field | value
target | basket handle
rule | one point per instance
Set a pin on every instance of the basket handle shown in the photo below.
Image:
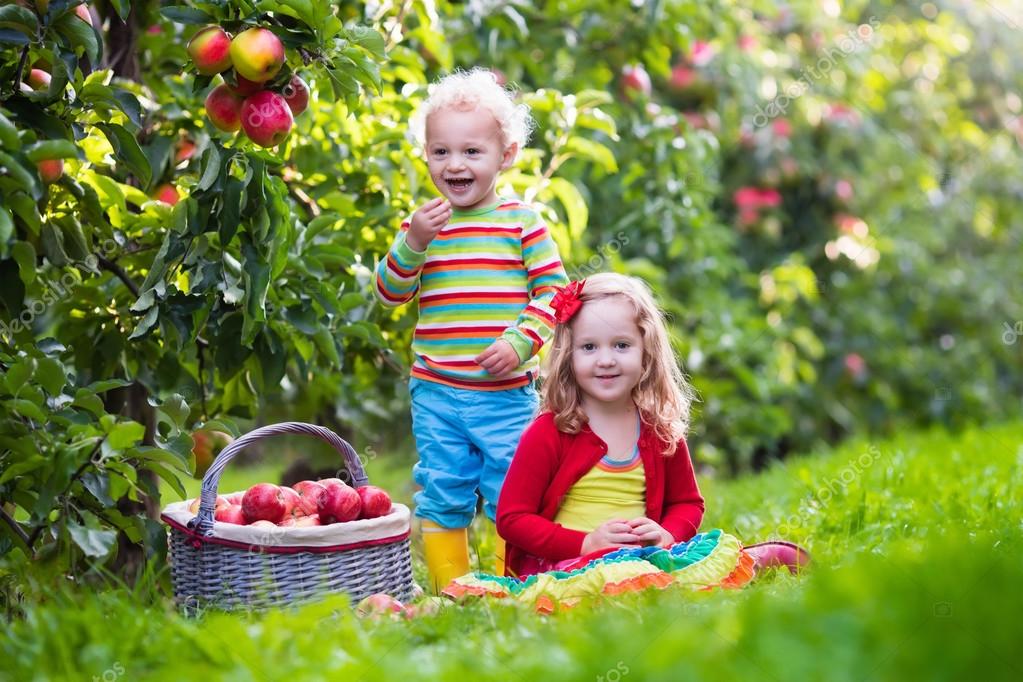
(203, 523)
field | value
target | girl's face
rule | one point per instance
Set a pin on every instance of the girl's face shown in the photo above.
(465, 155)
(607, 352)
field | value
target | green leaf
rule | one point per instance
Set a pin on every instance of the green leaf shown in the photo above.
(176, 408)
(369, 39)
(125, 434)
(123, 7)
(20, 19)
(6, 230)
(127, 149)
(169, 475)
(576, 210)
(51, 149)
(89, 401)
(592, 151)
(26, 408)
(187, 15)
(93, 542)
(256, 275)
(34, 462)
(50, 375)
(79, 34)
(9, 138)
(325, 344)
(25, 256)
(146, 324)
(211, 169)
(23, 207)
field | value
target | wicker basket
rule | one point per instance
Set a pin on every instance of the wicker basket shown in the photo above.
(285, 566)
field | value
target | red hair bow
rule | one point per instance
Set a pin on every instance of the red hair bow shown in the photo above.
(566, 301)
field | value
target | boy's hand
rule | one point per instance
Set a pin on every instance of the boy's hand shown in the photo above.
(499, 358)
(614, 533)
(650, 532)
(427, 222)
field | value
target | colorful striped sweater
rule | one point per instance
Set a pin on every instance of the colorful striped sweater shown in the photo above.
(490, 273)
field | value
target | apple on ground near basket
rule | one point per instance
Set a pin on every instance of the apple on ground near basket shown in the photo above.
(379, 604)
(264, 501)
(339, 503)
(375, 502)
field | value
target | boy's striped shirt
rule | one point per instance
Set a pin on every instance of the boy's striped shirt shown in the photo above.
(490, 273)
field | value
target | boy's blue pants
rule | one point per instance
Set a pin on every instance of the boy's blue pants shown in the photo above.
(465, 440)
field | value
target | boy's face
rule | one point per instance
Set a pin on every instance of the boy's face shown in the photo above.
(465, 153)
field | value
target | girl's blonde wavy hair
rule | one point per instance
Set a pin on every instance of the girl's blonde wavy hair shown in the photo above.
(663, 396)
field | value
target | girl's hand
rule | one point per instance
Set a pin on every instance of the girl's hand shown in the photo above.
(614, 533)
(650, 532)
(499, 358)
(427, 222)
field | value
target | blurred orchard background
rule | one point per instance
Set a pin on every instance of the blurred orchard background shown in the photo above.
(826, 196)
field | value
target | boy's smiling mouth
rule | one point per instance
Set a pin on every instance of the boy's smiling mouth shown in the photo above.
(459, 183)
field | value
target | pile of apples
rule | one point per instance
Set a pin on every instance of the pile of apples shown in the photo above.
(308, 503)
(248, 101)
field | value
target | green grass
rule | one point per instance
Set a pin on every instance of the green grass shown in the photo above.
(917, 571)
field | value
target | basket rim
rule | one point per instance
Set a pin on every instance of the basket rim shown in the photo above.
(195, 536)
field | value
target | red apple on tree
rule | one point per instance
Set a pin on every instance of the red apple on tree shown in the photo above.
(635, 80)
(83, 13)
(224, 108)
(168, 194)
(266, 118)
(296, 94)
(375, 502)
(339, 503)
(264, 501)
(242, 86)
(257, 54)
(210, 50)
(50, 170)
(185, 151)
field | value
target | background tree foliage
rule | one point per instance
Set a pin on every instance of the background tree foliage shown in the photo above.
(824, 195)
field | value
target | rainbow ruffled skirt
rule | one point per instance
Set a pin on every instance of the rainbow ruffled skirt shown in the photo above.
(709, 560)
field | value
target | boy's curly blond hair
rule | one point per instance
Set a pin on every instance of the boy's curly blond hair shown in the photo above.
(467, 90)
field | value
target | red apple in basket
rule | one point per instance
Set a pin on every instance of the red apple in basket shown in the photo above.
(291, 500)
(264, 502)
(235, 498)
(375, 502)
(231, 514)
(262, 524)
(302, 521)
(379, 604)
(222, 503)
(339, 503)
(309, 494)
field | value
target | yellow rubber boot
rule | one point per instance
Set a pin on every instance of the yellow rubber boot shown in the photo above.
(446, 551)
(499, 548)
